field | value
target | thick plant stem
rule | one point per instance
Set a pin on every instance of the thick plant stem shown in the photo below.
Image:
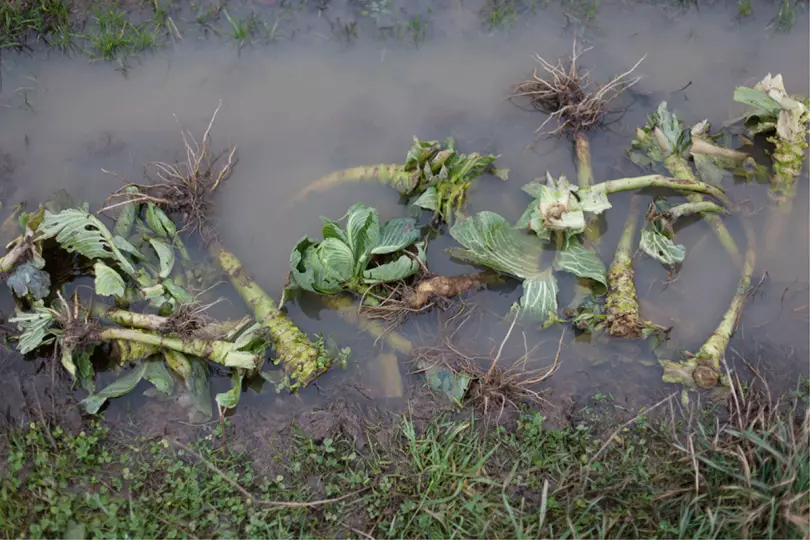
(219, 330)
(582, 148)
(345, 308)
(703, 369)
(130, 319)
(583, 151)
(706, 148)
(220, 352)
(386, 173)
(678, 167)
(623, 319)
(691, 208)
(658, 181)
(303, 360)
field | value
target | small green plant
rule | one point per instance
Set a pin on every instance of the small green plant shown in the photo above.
(241, 30)
(785, 17)
(21, 20)
(114, 36)
(743, 8)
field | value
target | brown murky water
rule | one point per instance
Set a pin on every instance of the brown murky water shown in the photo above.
(299, 111)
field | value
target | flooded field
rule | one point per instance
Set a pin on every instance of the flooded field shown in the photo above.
(301, 109)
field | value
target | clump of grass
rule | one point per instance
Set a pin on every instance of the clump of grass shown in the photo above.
(785, 17)
(23, 20)
(113, 36)
(743, 471)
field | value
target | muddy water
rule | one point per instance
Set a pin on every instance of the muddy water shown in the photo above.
(301, 111)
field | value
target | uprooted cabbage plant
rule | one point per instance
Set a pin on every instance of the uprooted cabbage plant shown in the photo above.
(434, 176)
(142, 310)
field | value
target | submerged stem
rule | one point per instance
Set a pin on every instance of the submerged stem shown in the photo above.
(679, 167)
(682, 183)
(703, 369)
(391, 174)
(344, 306)
(583, 151)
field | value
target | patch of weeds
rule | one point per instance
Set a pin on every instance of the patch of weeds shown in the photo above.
(242, 30)
(584, 10)
(743, 9)
(113, 36)
(747, 475)
(785, 17)
(499, 14)
(22, 20)
(413, 31)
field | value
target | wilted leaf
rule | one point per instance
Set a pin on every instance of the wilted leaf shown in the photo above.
(165, 255)
(490, 241)
(123, 244)
(159, 376)
(660, 247)
(401, 268)
(108, 282)
(229, 399)
(452, 384)
(81, 232)
(123, 385)
(29, 279)
(35, 327)
(126, 219)
(539, 300)
(429, 199)
(84, 368)
(581, 261)
(159, 222)
(199, 387)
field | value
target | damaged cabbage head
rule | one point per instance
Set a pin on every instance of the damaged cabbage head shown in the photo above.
(435, 176)
(665, 140)
(358, 257)
(785, 120)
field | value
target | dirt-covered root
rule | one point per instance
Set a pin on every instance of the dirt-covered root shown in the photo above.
(569, 96)
(187, 320)
(184, 189)
(435, 287)
(425, 293)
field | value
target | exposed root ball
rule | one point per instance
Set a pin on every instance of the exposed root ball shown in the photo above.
(185, 188)
(187, 320)
(569, 96)
(442, 286)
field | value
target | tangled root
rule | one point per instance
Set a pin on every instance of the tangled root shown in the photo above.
(569, 97)
(185, 188)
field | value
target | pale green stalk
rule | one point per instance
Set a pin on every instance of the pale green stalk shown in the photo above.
(689, 184)
(386, 173)
(220, 352)
(703, 369)
(623, 319)
(303, 360)
(677, 166)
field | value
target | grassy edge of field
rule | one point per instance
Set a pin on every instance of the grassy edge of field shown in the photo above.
(740, 470)
(115, 31)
